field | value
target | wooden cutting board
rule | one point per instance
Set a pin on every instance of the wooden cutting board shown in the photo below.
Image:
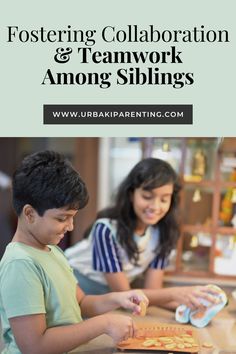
(163, 337)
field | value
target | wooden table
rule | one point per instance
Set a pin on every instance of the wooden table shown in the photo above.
(221, 332)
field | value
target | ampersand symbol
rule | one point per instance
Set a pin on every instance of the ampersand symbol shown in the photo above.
(63, 55)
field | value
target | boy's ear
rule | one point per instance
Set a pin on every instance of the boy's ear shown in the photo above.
(29, 213)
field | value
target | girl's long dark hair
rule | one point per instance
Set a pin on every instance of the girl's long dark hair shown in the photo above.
(148, 174)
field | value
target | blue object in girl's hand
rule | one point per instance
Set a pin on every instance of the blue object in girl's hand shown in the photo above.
(182, 314)
(201, 317)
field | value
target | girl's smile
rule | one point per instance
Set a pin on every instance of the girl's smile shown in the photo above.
(150, 206)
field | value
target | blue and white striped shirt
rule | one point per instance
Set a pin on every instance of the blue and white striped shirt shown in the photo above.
(102, 253)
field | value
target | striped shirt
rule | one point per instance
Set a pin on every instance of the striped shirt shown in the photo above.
(102, 253)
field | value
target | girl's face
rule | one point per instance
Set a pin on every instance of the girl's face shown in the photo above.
(150, 206)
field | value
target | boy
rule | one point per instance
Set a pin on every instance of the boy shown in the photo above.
(40, 302)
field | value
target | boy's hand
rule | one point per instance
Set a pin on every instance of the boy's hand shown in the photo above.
(119, 327)
(134, 300)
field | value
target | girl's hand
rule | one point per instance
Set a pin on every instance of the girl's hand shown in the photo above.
(133, 300)
(119, 327)
(191, 295)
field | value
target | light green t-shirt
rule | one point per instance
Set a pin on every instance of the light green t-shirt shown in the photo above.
(33, 281)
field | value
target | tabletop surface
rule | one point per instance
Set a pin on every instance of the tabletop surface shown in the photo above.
(221, 333)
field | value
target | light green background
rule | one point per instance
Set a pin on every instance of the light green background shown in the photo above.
(23, 66)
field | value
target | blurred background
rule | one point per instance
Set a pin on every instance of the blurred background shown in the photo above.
(207, 168)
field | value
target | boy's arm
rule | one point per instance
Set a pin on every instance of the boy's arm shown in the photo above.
(92, 305)
(33, 337)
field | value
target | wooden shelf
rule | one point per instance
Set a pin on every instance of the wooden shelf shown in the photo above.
(227, 230)
(196, 228)
(184, 279)
(223, 230)
(200, 221)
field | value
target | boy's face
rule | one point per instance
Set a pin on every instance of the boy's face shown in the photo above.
(50, 228)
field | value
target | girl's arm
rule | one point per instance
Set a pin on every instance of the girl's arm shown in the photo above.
(153, 278)
(117, 281)
(188, 295)
(168, 298)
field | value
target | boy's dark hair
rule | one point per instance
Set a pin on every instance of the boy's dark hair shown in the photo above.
(47, 180)
(149, 173)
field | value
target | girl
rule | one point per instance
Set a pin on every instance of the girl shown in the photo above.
(134, 237)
